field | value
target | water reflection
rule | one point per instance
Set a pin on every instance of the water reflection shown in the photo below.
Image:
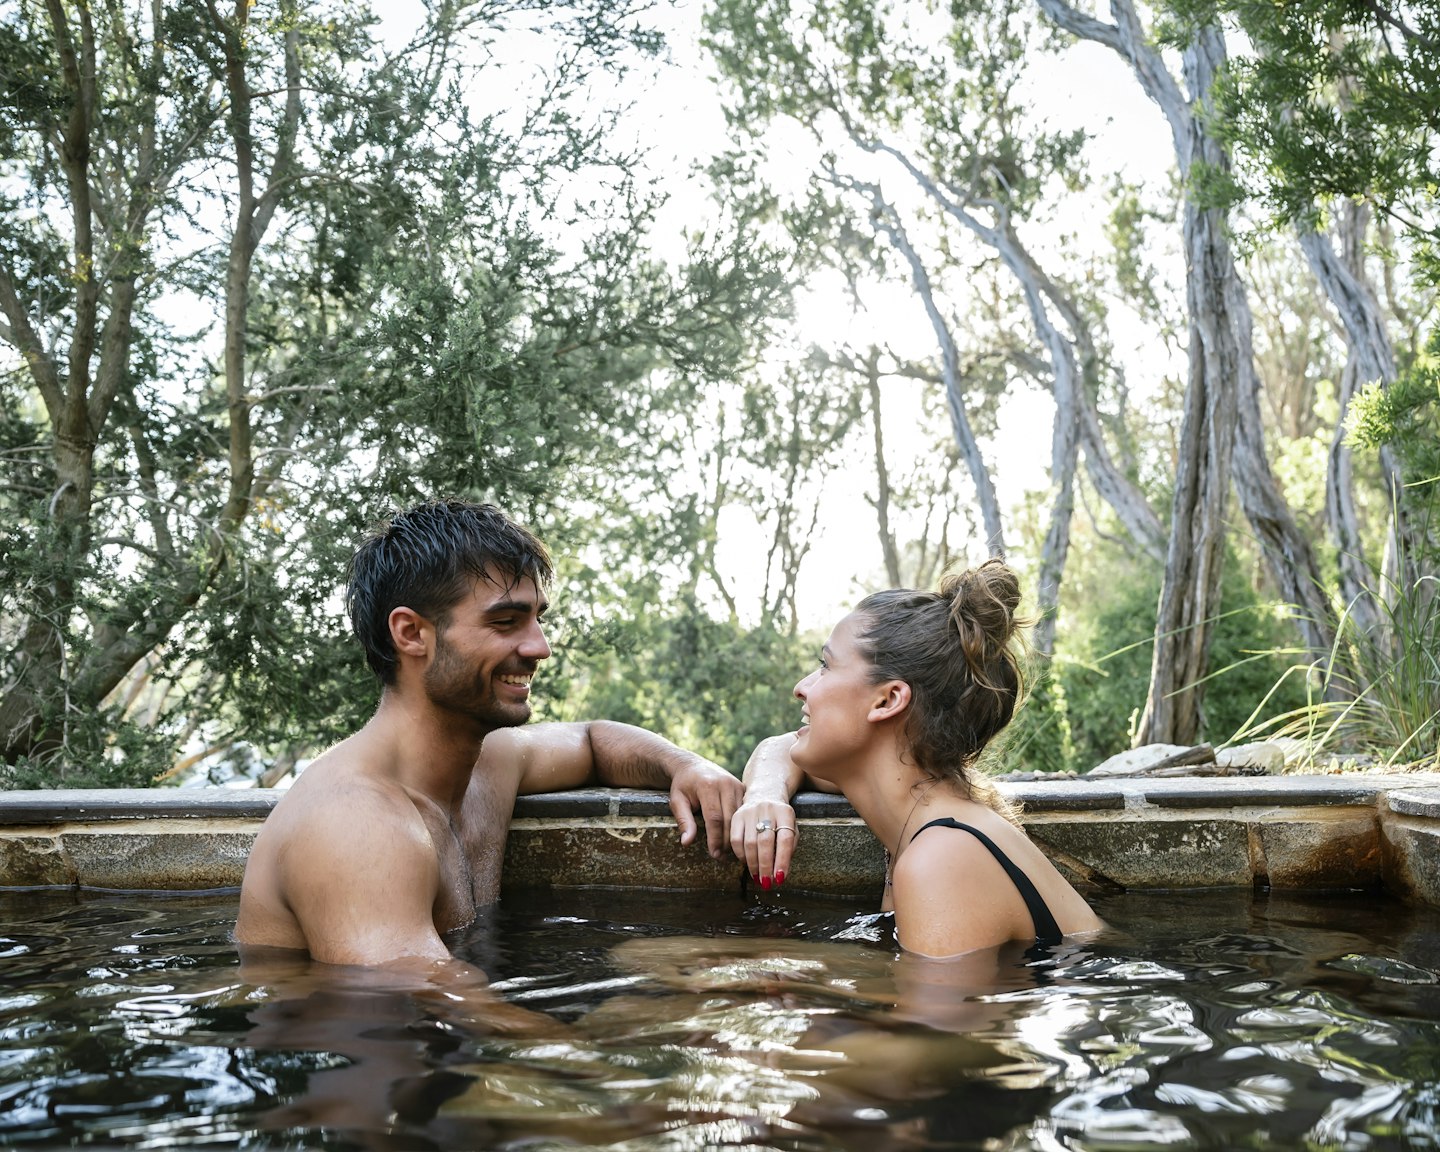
(651, 1022)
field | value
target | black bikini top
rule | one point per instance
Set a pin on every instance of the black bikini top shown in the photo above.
(1046, 930)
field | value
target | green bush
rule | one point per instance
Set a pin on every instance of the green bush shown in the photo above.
(712, 686)
(1095, 691)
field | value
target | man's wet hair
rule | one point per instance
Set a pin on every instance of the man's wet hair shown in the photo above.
(426, 559)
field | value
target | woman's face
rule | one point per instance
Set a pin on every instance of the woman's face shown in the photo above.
(835, 700)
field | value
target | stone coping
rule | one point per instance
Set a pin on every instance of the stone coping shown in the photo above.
(1410, 794)
(1416, 802)
(1359, 831)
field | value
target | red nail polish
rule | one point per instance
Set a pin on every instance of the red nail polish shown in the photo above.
(764, 881)
(754, 877)
(779, 878)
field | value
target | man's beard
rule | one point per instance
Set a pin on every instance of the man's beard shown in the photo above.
(449, 685)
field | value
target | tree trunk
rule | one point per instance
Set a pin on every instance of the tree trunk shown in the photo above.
(1066, 387)
(1125, 498)
(1362, 363)
(1371, 359)
(1190, 593)
(1291, 561)
(887, 221)
(882, 472)
(1221, 342)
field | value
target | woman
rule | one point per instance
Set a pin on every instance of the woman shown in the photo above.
(911, 687)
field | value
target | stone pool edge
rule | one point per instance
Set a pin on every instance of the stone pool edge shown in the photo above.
(1291, 832)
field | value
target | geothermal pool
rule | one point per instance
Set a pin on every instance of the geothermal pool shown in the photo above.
(655, 1020)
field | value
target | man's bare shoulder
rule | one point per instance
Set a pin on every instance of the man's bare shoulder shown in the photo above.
(337, 824)
(344, 792)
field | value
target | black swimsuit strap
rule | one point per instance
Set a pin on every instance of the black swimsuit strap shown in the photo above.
(1046, 930)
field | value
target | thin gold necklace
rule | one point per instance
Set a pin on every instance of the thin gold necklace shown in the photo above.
(890, 858)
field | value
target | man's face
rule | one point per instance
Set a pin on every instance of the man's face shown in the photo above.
(487, 652)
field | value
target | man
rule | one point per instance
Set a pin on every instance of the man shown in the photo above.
(396, 835)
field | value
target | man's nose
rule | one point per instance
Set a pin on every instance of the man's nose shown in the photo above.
(535, 647)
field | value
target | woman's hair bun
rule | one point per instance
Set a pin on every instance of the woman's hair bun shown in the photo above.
(983, 602)
(960, 649)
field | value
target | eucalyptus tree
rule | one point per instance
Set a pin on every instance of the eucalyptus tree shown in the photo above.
(934, 97)
(924, 485)
(1222, 419)
(260, 278)
(1335, 118)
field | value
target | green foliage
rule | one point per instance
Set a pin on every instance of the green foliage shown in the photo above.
(105, 751)
(1406, 416)
(1338, 100)
(713, 686)
(1038, 738)
(411, 325)
(1098, 682)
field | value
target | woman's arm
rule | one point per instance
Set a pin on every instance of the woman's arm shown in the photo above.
(771, 779)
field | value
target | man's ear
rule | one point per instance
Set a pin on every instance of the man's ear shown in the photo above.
(890, 700)
(411, 633)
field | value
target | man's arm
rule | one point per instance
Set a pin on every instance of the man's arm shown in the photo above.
(551, 757)
(630, 757)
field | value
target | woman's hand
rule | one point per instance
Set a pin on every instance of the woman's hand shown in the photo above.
(762, 831)
(763, 834)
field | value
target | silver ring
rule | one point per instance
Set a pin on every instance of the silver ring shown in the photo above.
(785, 828)
(763, 826)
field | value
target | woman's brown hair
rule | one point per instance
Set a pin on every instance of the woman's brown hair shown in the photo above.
(959, 650)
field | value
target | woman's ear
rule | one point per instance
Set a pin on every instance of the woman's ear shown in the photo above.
(410, 632)
(891, 699)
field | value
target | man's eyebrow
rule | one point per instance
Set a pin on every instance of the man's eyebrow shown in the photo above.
(516, 605)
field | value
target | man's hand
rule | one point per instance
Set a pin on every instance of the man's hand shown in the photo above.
(703, 784)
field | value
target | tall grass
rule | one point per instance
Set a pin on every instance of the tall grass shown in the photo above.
(1378, 690)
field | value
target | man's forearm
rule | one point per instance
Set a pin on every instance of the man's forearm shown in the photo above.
(625, 756)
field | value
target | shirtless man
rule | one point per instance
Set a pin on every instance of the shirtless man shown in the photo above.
(395, 836)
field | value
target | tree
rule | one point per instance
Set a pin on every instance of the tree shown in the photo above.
(1335, 115)
(1222, 418)
(925, 486)
(261, 280)
(870, 86)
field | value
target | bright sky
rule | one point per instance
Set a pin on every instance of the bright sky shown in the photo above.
(675, 112)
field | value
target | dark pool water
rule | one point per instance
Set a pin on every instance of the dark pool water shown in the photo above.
(676, 1022)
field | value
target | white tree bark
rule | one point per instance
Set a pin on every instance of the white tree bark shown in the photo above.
(1065, 375)
(1117, 489)
(1067, 388)
(1371, 359)
(1225, 412)
(888, 222)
